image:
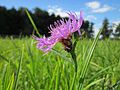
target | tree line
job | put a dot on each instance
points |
(16, 22)
(110, 30)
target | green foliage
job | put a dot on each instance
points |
(54, 71)
(15, 22)
(87, 61)
(117, 31)
(87, 29)
(106, 32)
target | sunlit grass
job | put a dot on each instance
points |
(53, 71)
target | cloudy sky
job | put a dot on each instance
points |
(93, 10)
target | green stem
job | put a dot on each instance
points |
(75, 64)
(74, 78)
(87, 61)
(74, 60)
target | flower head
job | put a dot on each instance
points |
(45, 44)
(63, 28)
(61, 31)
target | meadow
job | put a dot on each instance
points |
(24, 67)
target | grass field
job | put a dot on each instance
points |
(24, 67)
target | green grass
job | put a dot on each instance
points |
(24, 67)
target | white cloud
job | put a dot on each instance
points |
(103, 9)
(116, 22)
(93, 4)
(57, 11)
(60, 11)
(91, 17)
(97, 7)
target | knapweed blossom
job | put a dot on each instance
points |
(61, 31)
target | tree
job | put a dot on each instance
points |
(3, 20)
(84, 29)
(105, 29)
(16, 22)
(91, 32)
(25, 27)
(87, 29)
(117, 31)
(43, 20)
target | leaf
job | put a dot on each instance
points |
(10, 85)
(87, 61)
(95, 82)
(18, 70)
(32, 22)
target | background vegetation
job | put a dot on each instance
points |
(15, 22)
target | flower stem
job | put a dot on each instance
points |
(74, 60)
(73, 55)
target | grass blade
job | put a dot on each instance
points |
(95, 82)
(34, 84)
(4, 77)
(53, 77)
(1, 56)
(32, 63)
(87, 61)
(58, 75)
(10, 86)
(18, 70)
(61, 55)
(101, 71)
(32, 22)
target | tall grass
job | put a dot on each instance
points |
(54, 72)
(92, 65)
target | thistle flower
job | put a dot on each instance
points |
(61, 31)
(45, 44)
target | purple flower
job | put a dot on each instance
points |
(61, 31)
(45, 44)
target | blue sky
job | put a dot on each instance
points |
(93, 10)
